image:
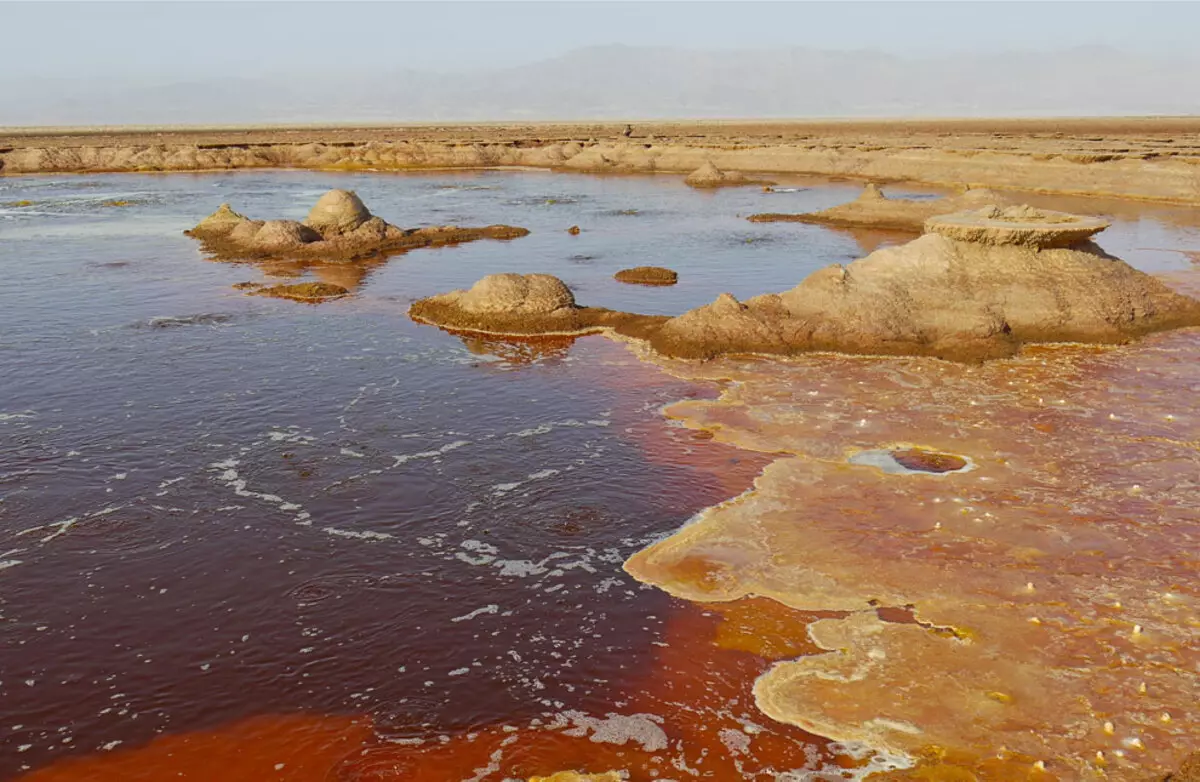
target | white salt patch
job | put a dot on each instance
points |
(367, 535)
(487, 609)
(460, 672)
(405, 458)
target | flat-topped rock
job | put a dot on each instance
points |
(647, 275)
(1017, 225)
(338, 228)
(309, 292)
(873, 209)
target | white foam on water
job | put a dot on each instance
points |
(643, 729)
(491, 608)
(365, 535)
(23, 415)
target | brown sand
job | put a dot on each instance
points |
(1141, 158)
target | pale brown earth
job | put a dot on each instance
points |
(872, 209)
(338, 228)
(1141, 158)
(940, 295)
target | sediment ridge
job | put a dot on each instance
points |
(1151, 159)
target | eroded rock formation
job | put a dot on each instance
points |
(979, 286)
(338, 228)
(872, 209)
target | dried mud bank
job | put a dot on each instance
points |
(979, 285)
(1034, 617)
(1153, 159)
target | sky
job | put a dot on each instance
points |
(159, 42)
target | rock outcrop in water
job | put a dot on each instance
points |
(521, 305)
(872, 209)
(338, 228)
(978, 286)
(310, 292)
(647, 275)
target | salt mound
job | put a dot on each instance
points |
(220, 222)
(533, 294)
(709, 175)
(947, 297)
(339, 228)
(337, 212)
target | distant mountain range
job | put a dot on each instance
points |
(619, 82)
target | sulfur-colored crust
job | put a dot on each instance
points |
(1053, 630)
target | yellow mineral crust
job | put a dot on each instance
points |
(1054, 585)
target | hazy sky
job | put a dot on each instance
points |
(151, 42)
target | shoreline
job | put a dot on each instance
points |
(1142, 159)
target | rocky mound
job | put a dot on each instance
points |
(709, 175)
(943, 296)
(339, 228)
(521, 305)
(872, 209)
(647, 275)
(936, 296)
(337, 212)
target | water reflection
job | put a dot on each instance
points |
(516, 351)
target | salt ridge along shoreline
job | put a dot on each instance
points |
(1154, 159)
